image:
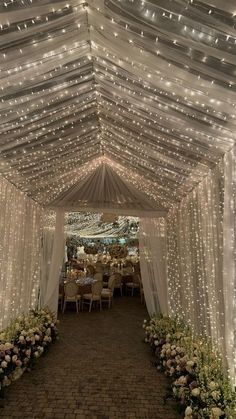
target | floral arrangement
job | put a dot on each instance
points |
(23, 342)
(117, 251)
(91, 249)
(133, 242)
(195, 368)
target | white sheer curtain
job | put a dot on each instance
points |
(152, 245)
(229, 259)
(20, 236)
(195, 259)
(51, 264)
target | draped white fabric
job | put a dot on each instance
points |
(52, 258)
(20, 235)
(105, 189)
(195, 260)
(152, 246)
(229, 255)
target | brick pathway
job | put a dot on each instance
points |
(100, 369)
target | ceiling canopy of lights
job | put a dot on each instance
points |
(143, 89)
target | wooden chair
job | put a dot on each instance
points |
(90, 270)
(107, 293)
(71, 295)
(95, 295)
(135, 284)
(118, 282)
(98, 276)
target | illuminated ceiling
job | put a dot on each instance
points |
(146, 87)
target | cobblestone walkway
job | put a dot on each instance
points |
(99, 369)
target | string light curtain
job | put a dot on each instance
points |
(53, 249)
(138, 82)
(229, 259)
(20, 242)
(195, 259)
(152, 248)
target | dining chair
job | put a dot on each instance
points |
(107, 293)
(95, 295)
(134, 284)
(71, 295)
(90, 270)
(118, 282)
(98, 276)
(99, 267)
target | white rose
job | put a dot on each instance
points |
(216, 412)
(182, 380)
(7, 358)
(14, 358)
(215, 394)
(21, 338)
(37, 337)
(4, 364)
(195, 392)
(156, 342)
(190, 363)
(188, 411)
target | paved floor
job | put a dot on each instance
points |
(99, 369)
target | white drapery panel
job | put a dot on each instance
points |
(52, 258)
(20, 235)
(229, 259)
(195, 240)
(152, 246)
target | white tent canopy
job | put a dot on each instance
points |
(150, 86)
(104, 189)
(126, 106)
